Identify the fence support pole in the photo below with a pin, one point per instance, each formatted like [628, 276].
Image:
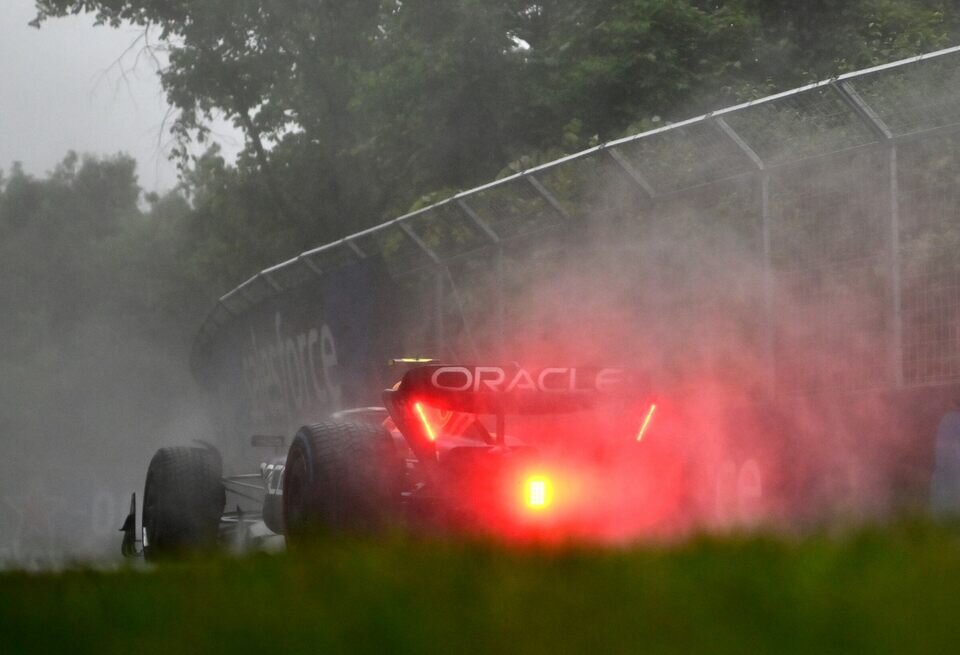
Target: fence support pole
[896, 327]
[439, 290]
[479, 222]
[500, 306]
[763, 175]
[849, 94]
[769, 319]
[546, 195]
[499, 301]
[632, 173]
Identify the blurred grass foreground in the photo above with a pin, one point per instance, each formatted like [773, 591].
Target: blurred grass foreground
[877, 590]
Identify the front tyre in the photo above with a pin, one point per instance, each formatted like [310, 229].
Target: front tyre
[340, 476]
[183, 500]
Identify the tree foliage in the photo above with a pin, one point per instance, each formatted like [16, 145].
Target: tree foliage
[354, 110]
[77, 244]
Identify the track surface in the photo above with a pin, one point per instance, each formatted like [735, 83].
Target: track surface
[893, 590]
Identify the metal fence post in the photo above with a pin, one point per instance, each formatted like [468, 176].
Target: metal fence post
[500, 306]
[546, 195]
[848, 93]
[632, 173]
[896, 328]
[439, 291]
[499, 300]
[769, 330]
[763, 175]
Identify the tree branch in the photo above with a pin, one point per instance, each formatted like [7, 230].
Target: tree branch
[285, 205]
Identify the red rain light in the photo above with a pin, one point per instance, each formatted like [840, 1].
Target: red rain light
[538, 492]
[418, 408]
[646, 422]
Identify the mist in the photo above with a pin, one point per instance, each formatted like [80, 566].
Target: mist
[797, 382]
[95, 373]
[778, 406]
[80, 436]
[769, 367]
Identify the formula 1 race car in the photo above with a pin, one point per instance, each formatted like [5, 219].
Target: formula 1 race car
[501, 451]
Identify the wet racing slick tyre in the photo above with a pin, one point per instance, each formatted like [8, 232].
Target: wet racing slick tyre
[183, 500]
[340, 476]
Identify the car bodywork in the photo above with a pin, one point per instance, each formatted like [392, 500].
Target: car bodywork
[487, 449]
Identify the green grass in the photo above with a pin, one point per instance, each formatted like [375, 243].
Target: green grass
[893, 590]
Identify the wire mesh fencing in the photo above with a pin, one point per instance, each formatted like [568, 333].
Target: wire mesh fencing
[805, 240]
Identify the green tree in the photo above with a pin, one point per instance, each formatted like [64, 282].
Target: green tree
[353, 111]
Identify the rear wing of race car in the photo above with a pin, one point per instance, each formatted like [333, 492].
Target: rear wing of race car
[503, 390]
[517, 390]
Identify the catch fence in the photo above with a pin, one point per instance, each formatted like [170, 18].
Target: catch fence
[819, 226]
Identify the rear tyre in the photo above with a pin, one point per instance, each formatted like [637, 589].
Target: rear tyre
[340, 476]
[183, 500]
